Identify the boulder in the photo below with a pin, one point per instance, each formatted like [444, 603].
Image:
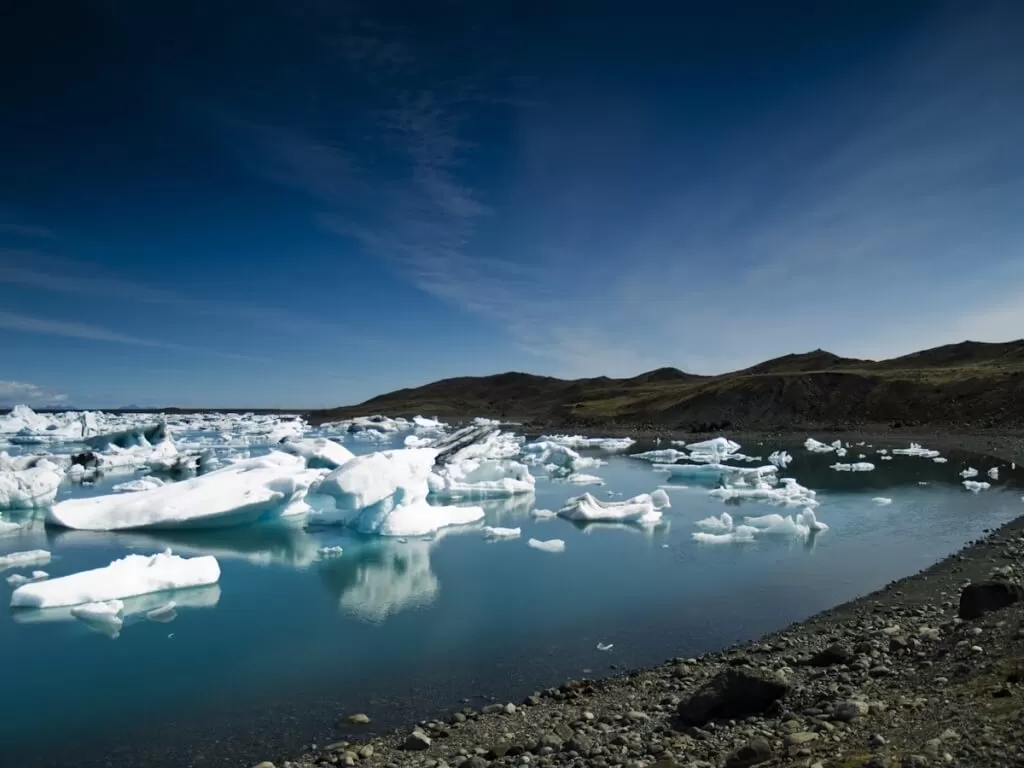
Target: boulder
[978, 599]
[831, 656]
[734, 693]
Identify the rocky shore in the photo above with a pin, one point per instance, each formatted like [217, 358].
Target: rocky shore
[928, 671]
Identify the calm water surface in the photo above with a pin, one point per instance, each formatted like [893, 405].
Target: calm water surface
[274, 656]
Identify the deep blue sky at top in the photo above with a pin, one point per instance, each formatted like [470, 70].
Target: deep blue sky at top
[307, 202]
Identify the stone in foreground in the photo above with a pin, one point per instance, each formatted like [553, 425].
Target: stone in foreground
[978, 599]
[734, 693]
[416, 741]
[754, 752]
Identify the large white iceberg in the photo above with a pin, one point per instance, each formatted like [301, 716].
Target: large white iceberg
[237, 494]
[815, 446]
[713, 451]
[644, 509]
[974, 486]
[385, 493]
[557, 458]
[790, 494]
[30, 488]
[130, 576]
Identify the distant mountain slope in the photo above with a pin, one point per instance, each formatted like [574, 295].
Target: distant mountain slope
[969, 384]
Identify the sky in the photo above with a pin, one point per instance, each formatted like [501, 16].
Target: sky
[304, 203]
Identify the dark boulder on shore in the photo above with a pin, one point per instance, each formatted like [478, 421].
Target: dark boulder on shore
[734, 693]
[978, 599]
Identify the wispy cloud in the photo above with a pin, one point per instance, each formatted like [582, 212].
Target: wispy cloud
[883, 218]
[15, 392]
[13, 321]
[41, 270]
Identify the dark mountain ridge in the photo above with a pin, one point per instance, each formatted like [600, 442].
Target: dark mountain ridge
[966, 384]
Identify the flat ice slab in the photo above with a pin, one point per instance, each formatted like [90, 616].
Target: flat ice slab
[551, 545]
[644, 509]
[130, 576]
[24, 559]
[237, 494]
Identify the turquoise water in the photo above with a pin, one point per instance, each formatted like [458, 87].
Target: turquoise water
[274, 656]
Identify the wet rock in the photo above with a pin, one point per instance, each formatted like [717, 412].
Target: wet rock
[833, 655]
[416, 741]
[914, 761]
[581, 743]
[476, 762]
[366, 752]
[265, 764]
[754, 752]
[734, 693]
[358, 719]
[498, 751]
[978, 599]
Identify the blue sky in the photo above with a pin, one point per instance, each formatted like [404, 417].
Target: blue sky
[310, 202]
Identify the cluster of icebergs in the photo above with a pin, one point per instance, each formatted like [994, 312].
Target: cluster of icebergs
[723, 529]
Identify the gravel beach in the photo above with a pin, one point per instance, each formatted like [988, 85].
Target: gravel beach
[927, 671]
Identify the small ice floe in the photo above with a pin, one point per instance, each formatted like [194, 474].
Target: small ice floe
[940, 459]
[494, 533]
[580, 478]
[720, 524]
[798, 525]
[644, 509]
[326, 553]
[859, 466]
[605, 647]
[915, 449]
[780, 459]
[106, 617]
[790, 494]
[883, 450]
[670, 487]
[975, 486]
[993, 473]
[741, 533]
[551, 545]
[164, 614]
[17, 579]
[24, 559]
[923, 482]
[130, 576]
[543, 514]
[885, 458]
[882, 501]
[969, 473]
[661, 455]
[815, 446]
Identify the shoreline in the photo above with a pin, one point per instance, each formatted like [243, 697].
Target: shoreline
[916, 686]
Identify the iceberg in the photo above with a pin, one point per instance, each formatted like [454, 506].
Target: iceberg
[30, 488]
[661, 455]
[814, 446]
[24, 559]
[319, 452]
[969, 473]
[556, 458]
[915, 449]
[375, 477]
[579, 442]
[974, 486]
[715, 450]
[780, 459]
[644, 509]
[490, 532]
[237, 494]
[581, 478]
[413, 518]
[551, 545]
[327, 552]
[721, 524]
[543, 514]
[474, 479]
[882, 501]
[425, 424]
[128, 577]
[940, 459]
[859, 466]
[801, 525]
[742, 533]
[17, 579]
[993, 473]
[480, 421]
[790, 494]
[417, 441]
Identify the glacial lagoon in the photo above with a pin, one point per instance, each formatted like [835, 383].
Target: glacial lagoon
[294, 636]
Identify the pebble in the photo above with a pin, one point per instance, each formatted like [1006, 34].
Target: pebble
[877, 740]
